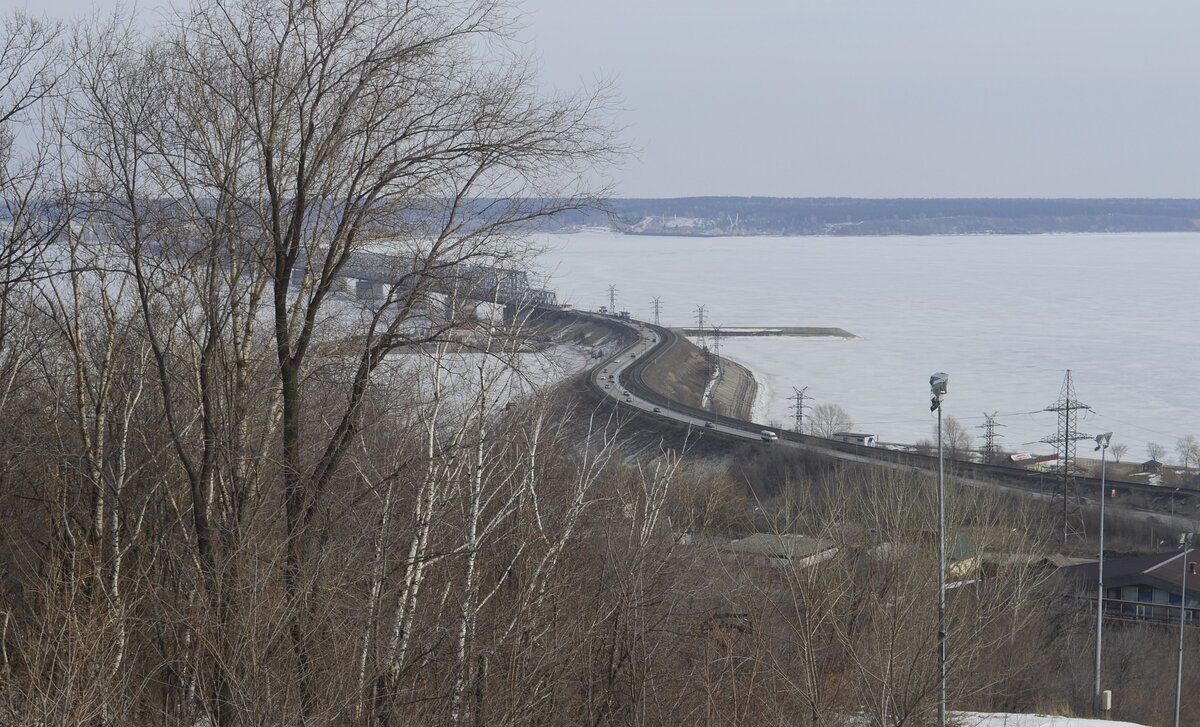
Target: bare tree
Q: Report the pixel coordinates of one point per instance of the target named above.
(32, 69)
(33, 205)
(1156, 451)
(1188, 450)
(242, 162)
(1119, 451)
(955, 438)
(827, 419)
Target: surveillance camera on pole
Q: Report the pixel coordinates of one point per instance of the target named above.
(937, 386)
(1102, 441)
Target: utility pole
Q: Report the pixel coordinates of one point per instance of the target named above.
(1185, 542)
(1102, 442)
(657, 307)
(612, 300)
(989, 436)
(798, 396)
(937, 387)
(1065, 503)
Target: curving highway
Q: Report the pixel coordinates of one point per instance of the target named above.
(621, 379)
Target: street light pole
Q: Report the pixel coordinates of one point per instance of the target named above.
(937, 386)
(1185, 540)
(1102, 441)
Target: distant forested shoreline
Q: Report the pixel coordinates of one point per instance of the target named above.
(714, 216)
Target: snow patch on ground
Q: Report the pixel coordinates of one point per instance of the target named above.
(714, 378)
(463, 375)
(998, 719)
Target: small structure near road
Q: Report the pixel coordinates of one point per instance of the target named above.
(1144, 586)
(862, 440)
(772, 549)
(785, 549)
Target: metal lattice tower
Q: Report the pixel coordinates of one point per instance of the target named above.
(700, 327)
(657, 307)
(1065, 503)
(989, 436)
(798, 396)
(612, 300)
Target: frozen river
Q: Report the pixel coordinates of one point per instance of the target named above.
(1003, 315)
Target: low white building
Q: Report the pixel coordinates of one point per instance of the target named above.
(863, 440)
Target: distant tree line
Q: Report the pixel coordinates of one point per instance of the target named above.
(848, 216)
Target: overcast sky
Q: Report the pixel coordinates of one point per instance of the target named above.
(922, 98)
(878, 99)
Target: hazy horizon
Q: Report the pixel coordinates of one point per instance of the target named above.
(926, 99)
(1082, 99)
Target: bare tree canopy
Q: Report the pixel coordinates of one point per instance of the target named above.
(1155, 451)
(828, 419)
(32, 68)
(955, 438)
(229, 169)
(1118, 451)
(1188, 450)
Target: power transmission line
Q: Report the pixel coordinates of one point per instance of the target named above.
(657, 306)
(798, 396)
(612, 300)
(989, 436)
(1065, 503)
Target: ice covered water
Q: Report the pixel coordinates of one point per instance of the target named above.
(1003, 315)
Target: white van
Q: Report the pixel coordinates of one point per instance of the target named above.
(768, 436)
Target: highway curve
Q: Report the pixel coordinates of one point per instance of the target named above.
(627, 387)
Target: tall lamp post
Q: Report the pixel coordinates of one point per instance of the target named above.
(937, 387)
(1185, 542)
(1102, 441)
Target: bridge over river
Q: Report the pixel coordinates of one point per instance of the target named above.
(376, 274)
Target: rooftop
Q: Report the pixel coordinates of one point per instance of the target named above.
(788, 545)
(1164, 570)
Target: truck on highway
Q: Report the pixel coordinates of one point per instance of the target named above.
(863, 440)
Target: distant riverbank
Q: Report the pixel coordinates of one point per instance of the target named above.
(757, 216)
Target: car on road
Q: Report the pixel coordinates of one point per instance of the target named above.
(607, 386)
(768, 436)
(657, 410)
(710, 425)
